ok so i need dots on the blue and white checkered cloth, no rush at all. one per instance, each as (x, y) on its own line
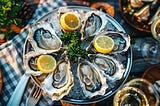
(11, 55)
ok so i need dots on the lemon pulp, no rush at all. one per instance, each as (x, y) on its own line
(103, 44)
(46, 63)
(69, 21)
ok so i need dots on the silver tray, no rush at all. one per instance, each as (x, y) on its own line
(126, 58)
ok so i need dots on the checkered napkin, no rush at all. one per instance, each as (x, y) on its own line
(11, 55)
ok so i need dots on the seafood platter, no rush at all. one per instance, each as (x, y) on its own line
(140, 14)
(81, 72)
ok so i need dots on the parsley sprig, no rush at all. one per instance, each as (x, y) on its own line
(73, 41)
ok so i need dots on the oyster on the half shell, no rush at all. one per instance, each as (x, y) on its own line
(93, 83)
(111, 67)
(136, 3)
(43, 38)
(93, 23)
(143, 14)
(121, 42)
(58, 84)
(30, 64)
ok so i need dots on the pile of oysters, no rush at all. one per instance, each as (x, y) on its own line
(140, 13)
(92, 74)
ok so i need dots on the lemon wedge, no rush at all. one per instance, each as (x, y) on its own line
(46, 63)
(103, 44)
(69, 21)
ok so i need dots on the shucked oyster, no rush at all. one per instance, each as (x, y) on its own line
(139, 3)
(91, 80)
(136, 3)
(43, 38)
(30, 62)
(112, 68)
(143, 14)
(121, 42)
(94, 22)
(58, 84)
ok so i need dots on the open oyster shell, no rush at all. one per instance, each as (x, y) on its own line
(121, 41)
(136, 3)
(63, 10)
(30, 63)
(93, 83)
(93, 23)
(111, 67)
(58, 84)
(143, 14)
(43, 38)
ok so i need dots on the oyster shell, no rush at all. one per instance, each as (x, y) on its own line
(143, 14)
(91, 80)
(43, 38)
(93, 23)
(30, 63)
(62, 10)
(136, 3)
(58, 84)
(112, 68)
(121, 41)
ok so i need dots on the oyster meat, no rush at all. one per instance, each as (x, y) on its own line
(30, 62)
(136, 3)
(112, 68)
(43, 38)
(93, 23)
(121, 42)
(58, 84)
(143, 14)
(93, 83)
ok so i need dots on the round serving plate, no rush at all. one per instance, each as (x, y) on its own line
(125, 58)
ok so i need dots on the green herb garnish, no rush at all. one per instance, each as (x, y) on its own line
(73, 41)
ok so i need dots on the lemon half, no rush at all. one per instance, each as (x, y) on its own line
(69, 21)
(46, 63)
(103, 44)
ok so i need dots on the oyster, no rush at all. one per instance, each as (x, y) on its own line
(121, 41)
(58, 84)
(91, 80)
(143, 14)
(112, 68)
(43, 38)
(79, 13)
(94, 23)
(30, 63)
(136, 3)
(62, 10)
